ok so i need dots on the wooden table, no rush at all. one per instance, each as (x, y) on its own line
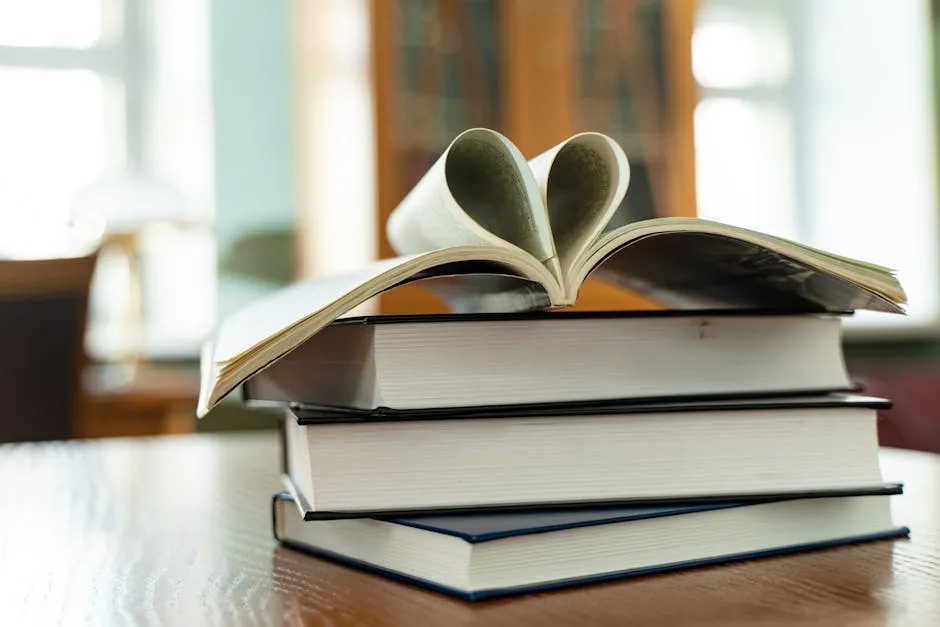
(176, 530)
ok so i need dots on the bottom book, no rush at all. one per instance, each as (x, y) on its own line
(479, 556)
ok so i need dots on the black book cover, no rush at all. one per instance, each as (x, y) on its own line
(580, 315)
(306, 414)
(308, 514)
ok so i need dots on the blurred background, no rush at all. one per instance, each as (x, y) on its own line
(163, 162)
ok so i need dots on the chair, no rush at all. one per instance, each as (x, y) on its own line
(43, 306)
(913, 422)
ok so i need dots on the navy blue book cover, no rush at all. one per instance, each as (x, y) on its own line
(487, 527)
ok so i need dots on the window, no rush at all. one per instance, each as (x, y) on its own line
(93, 91)
(816, 122)
(62, 122)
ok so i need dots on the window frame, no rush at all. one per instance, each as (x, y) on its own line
(791, 96)
(120, 59)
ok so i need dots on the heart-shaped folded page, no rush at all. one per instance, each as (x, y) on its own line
(479, 192)
(582, 181)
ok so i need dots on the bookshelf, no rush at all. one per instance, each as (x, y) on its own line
(538, 71)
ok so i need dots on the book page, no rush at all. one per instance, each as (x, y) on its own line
(689, 263)
(582, 182)
(268, 329)
(479, 192)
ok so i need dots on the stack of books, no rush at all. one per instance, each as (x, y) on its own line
(505, 448)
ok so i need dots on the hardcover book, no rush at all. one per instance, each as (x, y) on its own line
(347, 465)
(421, 364)
(490, 555)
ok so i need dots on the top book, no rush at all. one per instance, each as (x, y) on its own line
(502, 235)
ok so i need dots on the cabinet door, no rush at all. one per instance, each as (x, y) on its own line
(537, 71)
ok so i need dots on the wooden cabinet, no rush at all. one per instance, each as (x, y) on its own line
(537, 71)
(119, 401)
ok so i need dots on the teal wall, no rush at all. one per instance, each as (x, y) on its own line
(251, 85)
(251, 68)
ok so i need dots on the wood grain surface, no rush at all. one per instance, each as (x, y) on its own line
(176, 531)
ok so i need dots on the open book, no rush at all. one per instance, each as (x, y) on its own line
(502, 234)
